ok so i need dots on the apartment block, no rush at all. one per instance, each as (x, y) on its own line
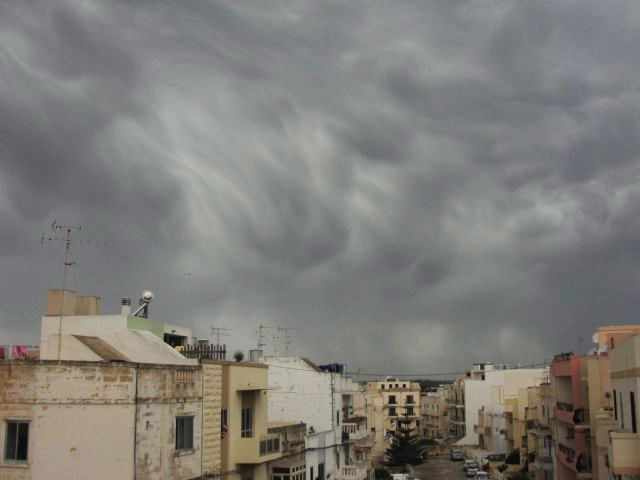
(333, 408)
(455, 405)
(486, 390)
(434, 413)
(390, 400)
(581, 385)
(540, 438)
(623, 452)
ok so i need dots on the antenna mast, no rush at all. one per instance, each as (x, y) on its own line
(261, 336)
(220, 332)
(63, 233)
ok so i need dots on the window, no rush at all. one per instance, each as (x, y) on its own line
(223, 422)
(246, 430)
(16, 442)
(615, 404)
(409, 399)
(382, 386)
(184, 433)
(269, 445)
(392, 411)
(417, 423)
(410, 411)
(337, 417)
(634, 425)
(621, 411)
(392, 399)
(312, 478)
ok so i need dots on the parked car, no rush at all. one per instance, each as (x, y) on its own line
(472, 470)
(496, 457)
(456, 455)
(482, 476)
(469, 463)
(403, 476)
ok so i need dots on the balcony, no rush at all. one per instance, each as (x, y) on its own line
(351, 432)
(355, 472)
(581, 417)
(564, 412)
(248, 450)
(624, 453)
(567, 456)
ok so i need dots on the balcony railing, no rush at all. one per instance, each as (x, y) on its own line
(581, 416)
(353, 472)
(562, 357)
(567, 407)
(352, 432)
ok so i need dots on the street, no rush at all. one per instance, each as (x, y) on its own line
(439, 468)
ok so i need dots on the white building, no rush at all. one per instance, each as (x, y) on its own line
(75, 329)
(486, 387)
(337, 439)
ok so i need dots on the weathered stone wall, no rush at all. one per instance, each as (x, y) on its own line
(211, 405)
(82, 419)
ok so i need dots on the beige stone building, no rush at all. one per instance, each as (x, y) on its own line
(456, 408)
(109, 399)
(388, 401)
(105, 420)
(539, 433)
(618, 426)
(434, 413)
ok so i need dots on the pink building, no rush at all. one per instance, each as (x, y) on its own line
(581, 384)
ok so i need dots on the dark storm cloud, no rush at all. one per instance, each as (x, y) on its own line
(396, 179)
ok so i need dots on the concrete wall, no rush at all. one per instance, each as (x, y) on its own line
(299, 393)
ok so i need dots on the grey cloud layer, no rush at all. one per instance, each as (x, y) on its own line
(416, 185)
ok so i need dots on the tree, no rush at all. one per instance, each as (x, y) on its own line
(406, 448)
(238, 356)
(382, 474)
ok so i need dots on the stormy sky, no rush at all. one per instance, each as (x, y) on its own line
(413, 185)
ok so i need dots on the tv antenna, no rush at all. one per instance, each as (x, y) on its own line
(261, 335)
(220, 332)
(67, 235)
(286, 336)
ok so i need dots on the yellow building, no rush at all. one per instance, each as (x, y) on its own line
(388, 401)
(455, 403)
(247, 446)
(540, 441)
(433, 413)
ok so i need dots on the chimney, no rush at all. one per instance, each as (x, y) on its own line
(126, 305)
